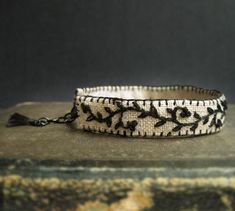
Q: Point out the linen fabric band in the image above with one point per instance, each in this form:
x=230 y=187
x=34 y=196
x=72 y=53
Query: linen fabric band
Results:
x=144 y=111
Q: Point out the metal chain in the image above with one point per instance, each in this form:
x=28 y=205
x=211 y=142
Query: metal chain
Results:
x=67 y=118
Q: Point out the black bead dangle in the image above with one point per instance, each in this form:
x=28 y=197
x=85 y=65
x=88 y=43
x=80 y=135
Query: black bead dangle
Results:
x=17 y=119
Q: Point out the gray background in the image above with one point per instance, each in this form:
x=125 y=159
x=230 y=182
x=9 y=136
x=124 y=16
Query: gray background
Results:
x=48 y=48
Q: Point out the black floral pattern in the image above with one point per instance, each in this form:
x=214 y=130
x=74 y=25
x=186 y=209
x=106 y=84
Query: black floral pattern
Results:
x=175 y=115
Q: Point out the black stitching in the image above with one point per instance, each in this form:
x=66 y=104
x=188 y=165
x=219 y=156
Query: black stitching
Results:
x=176 y=87
x=216 y=123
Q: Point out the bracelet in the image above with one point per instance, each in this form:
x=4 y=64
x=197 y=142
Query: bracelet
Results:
x=165 y=111
x=144 y=111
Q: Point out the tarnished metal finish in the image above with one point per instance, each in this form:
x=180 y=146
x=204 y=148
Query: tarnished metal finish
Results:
x=149 y=193
x=61 y=168
x=67 y=118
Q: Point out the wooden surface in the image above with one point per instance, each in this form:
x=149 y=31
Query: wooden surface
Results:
x=58 y=167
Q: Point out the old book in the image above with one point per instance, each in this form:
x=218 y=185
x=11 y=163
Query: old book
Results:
x=60 y=167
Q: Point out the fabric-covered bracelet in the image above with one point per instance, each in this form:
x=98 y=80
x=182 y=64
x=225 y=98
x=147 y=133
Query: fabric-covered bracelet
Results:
x=142 y=111
x=150 y=111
